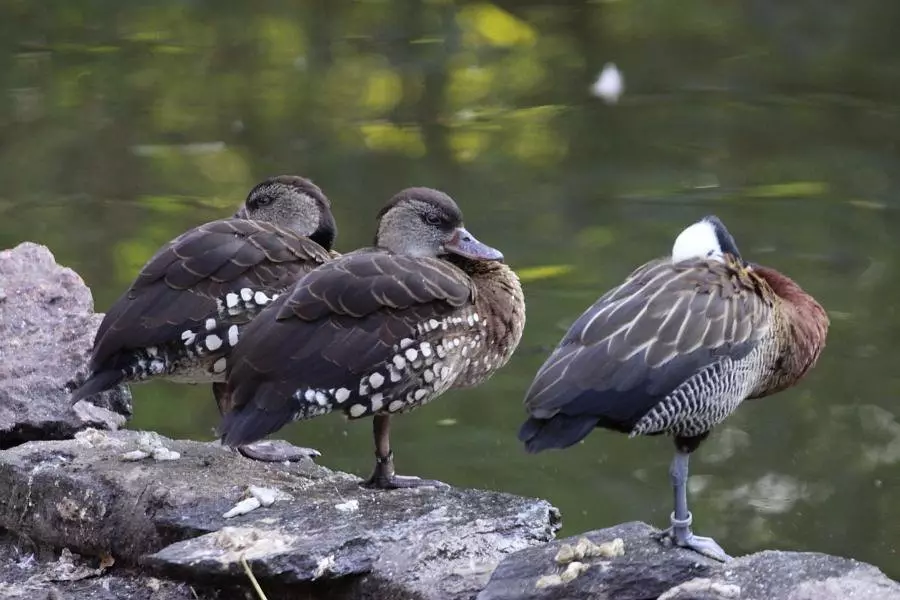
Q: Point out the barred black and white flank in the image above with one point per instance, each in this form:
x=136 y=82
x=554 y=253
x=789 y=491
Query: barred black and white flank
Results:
x=183 y=313
x=379 y=331
x=674 y=350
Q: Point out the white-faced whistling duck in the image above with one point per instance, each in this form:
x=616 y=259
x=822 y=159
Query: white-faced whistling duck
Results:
x=674 y=350
x=169 y=323
x=380 y=331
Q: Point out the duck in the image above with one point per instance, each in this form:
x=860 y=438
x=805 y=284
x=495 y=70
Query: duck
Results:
x=674 y=350
x=181 y=316
x=380 y=331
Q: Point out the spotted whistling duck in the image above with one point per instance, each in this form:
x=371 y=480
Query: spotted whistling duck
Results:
x=221 y=272
x=380 y=331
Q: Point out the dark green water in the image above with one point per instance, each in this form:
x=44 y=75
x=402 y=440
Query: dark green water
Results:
x=122 y=124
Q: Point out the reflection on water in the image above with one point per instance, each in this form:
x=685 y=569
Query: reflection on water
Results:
x=122 y=125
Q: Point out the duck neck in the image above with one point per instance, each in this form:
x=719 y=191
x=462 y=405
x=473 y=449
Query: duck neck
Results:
x=806 y=322
x=500 y=304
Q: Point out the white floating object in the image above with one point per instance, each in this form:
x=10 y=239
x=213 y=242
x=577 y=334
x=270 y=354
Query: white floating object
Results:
x=165 y=454
x=135 y=455
x=609 y=85
x=242 y=508
x=266 y=496
x=348 y=506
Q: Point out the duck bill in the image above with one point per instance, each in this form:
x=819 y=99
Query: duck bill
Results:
x=464 y=244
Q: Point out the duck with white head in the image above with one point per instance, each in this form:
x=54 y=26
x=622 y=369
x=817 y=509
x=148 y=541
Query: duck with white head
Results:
x=675 y=349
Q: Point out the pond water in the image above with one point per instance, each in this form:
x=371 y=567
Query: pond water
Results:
x=121 y=125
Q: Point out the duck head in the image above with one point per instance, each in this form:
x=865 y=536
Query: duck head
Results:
x=295 y=203
x=707 y=238
x=426 y=222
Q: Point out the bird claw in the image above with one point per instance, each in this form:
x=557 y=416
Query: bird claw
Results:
x=395 y=482
x=276 y=451
x=685 y=538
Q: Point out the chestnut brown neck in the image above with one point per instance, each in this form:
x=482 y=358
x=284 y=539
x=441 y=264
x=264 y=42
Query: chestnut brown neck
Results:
x=806 y=320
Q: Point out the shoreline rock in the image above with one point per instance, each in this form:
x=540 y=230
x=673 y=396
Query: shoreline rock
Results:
x=648 y=570
x=167 y=517
x=47 y=327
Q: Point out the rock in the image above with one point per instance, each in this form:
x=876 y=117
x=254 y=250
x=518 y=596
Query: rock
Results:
x=168 y=517
x=47 y=327
x=32 y=574
x=647 y=570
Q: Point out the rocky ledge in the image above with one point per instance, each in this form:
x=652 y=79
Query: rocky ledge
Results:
x=93 y=512
x=47 y=326
x=625 y=562
x=169 y=507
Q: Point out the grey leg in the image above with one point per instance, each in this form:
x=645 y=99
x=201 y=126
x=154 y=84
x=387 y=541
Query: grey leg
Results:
x=681 y=519
x=384 y=477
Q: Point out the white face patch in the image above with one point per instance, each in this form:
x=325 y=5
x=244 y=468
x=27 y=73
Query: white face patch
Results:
x=697 y=241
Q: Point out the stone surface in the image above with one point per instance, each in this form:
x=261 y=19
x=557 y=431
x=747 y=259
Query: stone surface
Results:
x=47 y=327
x=650 y=571
x=30 y=573
x=424 y=543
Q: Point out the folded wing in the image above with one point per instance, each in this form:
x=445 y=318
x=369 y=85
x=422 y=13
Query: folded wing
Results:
x=638 y=343
x=311 y=349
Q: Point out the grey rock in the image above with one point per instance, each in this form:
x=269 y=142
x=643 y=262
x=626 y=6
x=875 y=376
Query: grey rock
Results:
x=42 y=574
x=47 y=328
x=648 y=570
x=323 y=530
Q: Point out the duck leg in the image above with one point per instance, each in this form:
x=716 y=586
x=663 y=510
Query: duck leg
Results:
x=680 y=531
x=384 y=477
x=263 y=450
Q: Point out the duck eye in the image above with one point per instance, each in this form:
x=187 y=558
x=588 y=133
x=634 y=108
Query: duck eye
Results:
x=263 y=201
x=432 y=219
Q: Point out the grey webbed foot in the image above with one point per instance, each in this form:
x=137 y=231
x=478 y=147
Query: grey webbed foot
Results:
x=275 y=451
x=384 y=478
x=680 y=534
x=398 y=482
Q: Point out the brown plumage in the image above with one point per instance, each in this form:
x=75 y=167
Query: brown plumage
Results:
x=381 y=330
x=675 y=349
x=181 y=315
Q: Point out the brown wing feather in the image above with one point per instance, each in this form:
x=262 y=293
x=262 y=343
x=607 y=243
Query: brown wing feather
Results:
x=361 y=284
x=178 y=287
x=339 y=322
